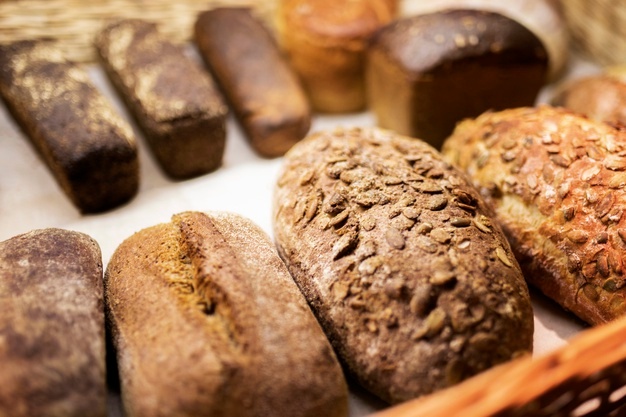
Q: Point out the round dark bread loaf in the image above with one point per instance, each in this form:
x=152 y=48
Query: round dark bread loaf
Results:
x=556 y=181
x=207 y=322
x=397 y=255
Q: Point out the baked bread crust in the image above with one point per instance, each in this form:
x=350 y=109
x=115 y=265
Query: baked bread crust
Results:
x=173 y=99
x=555 y=180
x=261 y=87
x=207 y=322
x=87 y=146
x=52 y=350
x=425 y=73
x=326 y=41
x=395 y=251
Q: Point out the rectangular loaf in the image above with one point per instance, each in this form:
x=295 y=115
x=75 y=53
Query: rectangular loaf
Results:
x=52 y=351
x=88 y=147
x=173 y=99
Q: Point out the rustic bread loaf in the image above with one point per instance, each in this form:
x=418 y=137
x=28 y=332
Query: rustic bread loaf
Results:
x=555 y=180
x=173 y=99
x=262 y=89
x=397 y=255
x=601 y=97
x=51 y=326
x=207 y=322
x=88 y=147
x=427 y=72
x=326 y=41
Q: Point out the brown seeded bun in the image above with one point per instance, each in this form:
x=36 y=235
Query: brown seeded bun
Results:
x=325 y=41
x=396 y=252
x=425 y=73
x=556 y=182
x=207 y=322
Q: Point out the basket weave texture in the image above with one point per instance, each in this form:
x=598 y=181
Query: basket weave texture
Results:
x=598 y=28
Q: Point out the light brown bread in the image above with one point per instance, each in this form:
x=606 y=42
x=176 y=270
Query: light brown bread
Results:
x=88 y=147
x=51 y=326
x=427 y=72
x=261 y=87
x=398 y=256
x=555 y=180
x=207 y=322
x=326 y=41
x=173 y=99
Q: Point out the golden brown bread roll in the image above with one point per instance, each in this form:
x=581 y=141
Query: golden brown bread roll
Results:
x=326 y=41
x=398 y=257
x=207 y=322
x=173 y=99
x=51 y=326
x=425 y=73
x=556 y=181
x=88 y=147
x=262 y=89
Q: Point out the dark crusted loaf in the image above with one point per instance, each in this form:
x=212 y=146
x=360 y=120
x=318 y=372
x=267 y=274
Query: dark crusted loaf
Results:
x=88 y=147
x=414 y=284
x=51 y=326
x=207 y=322
x=556 y=181
x=173 y=98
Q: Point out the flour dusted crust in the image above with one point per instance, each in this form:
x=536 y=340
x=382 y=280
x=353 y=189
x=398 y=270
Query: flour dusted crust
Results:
x=52 y=346
x=556 y=181
x=207 y=322
x=398 y=256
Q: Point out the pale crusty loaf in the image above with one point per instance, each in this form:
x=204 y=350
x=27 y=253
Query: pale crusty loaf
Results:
x=51 y=326
x=397 y=255
x=556 y=181
x=207 y=322
x=88 y=147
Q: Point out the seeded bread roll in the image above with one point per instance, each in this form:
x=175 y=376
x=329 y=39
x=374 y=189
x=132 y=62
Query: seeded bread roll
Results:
x=555 y=180
x=414 y=284
x=425 y=73
x=51 y=326
x=326 y=41
x=88 y=147
x=172 y=98
x=262 y=89
x=207 y=322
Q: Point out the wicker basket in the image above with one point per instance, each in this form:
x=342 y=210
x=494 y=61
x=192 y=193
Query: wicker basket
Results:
x=598 y=28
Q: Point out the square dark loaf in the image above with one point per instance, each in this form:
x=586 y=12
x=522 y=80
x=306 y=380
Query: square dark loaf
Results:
x=88 y=147
x=173 y=99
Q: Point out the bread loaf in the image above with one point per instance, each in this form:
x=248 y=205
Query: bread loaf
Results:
x=173 y=99
x=88 y=147
x=207 y=322
x=51 y=326
x=326 y=41
x=414 y=284
x=556 y=182
x=427 y=72
x=262 y=89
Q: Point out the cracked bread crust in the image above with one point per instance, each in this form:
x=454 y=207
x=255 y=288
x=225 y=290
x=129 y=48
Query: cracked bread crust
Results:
x=555 y=180
x=207 y=322
x=414 y=284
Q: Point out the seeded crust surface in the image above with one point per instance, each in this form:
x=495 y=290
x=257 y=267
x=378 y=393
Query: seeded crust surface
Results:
x=414 y=284
x=207 y=322
x=52 y=350
x=555 y=180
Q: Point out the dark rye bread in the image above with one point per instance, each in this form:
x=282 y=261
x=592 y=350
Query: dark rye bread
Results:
x=399 y=258
x=173 y=99
x=207 y=322
x=51 y=326
x=556 y=181
x=427 y=72
x=261 y=87
x=88 y=147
